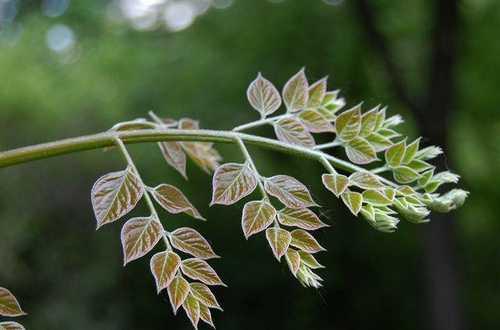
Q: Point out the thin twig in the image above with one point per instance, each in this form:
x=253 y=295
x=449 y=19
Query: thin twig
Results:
x=126 y=155
x=260 y=122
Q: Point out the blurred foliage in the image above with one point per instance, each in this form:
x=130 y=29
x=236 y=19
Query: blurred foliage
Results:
x=69 y=277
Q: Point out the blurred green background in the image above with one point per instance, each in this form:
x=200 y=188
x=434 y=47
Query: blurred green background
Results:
x=70 y=68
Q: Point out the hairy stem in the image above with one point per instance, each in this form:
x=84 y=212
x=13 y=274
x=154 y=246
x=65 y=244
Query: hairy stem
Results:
x=260 y=122
x=126 y=155
x=249 y=159
x=107 y=139
x=335 y=143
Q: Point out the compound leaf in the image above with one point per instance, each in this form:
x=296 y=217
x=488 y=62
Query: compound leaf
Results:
x=309 y=260
x=315 y=122
x=365 y=180
x=293 y=260
x=353 y=200
x=199 y=269
x=295 y=92
x=9 y=306
x=174 y=201
x=139 y=236
x=204 y=295
x=178 y=291
x=206 y=316
x=289 y=191
x=317 y=93
x=304 y=241
x=164 y=266
x=394 y=155
x=263 y=96
x=10 y=325
x=232 y=182
x=291 y=130
x=279 y=240
x=174 y=156
x=302 y=218
x=348 y=123
x=336 y=183
x=405 y=174
x=190 y=241
x=257 y=216
x=376 y=198
x=359 y=151
x=192 y=308
x=115 y=194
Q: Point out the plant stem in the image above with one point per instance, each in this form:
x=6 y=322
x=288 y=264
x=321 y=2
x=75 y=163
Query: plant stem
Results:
x=327 y=165
x=335 y=143
x=107 y=139
x=380 y=169
x=249 y=159
x=126 y=155
x=260 y=122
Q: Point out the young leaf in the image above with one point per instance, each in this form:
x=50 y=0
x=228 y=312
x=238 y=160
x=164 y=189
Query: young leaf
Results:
x=365 y=180
x=164 y=266
x=232 y=182
x=376 y=198
x=198 y=269
x=336 y=183
x=405 y=174
x=317 y=93
x=429 y=153
x=411 y=151
x=190 y=241
x=291 y=130
x=201 y=153
x=353 y=200
x=293 y=260
x=295 y=92
x=257 y=216
x=192 y=308
x=174 y=156
x=263 y=96
x=309 y=260
x=178 y=291
x=115 y=194
x=394 y=155
x=359 y=151
x=174 y=201
x=203 y=294
x=379 y=142
x=9 y=325
x=9 y=306
x=304 y=241
x=279 y=240
x=348 y=123
x=139 y=236
x=206 y=316
x=302 y=218
x=289 y=191
x=315 y=122
x=368 y=122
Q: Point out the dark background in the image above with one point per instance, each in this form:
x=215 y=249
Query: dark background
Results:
x=435 y=61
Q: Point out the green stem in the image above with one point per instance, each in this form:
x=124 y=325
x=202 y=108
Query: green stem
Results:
x=126 y=155
x=327 y=165
x=260 y=122
x=249 y=159
x=335 y=143
x=107 y=139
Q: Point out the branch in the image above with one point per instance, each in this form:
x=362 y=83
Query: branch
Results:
x=377 y=40
x=108 y=139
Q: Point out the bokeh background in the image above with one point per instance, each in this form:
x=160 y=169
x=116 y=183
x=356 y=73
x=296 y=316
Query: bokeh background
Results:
x=70 y=68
